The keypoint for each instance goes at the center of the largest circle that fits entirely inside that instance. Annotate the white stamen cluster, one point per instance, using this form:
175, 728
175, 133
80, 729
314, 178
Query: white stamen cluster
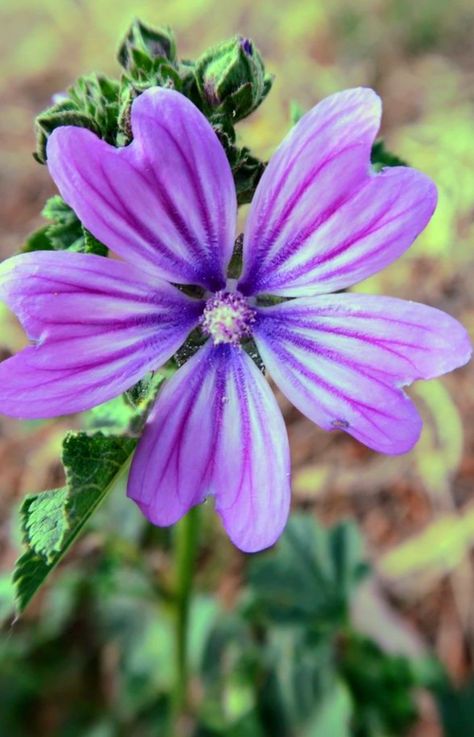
227, 318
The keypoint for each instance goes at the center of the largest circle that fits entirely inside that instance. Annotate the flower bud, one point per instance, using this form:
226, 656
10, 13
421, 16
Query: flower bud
143, 43
231, 78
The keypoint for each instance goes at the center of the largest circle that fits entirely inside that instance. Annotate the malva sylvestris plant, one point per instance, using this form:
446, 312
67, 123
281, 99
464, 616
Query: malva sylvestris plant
321, 220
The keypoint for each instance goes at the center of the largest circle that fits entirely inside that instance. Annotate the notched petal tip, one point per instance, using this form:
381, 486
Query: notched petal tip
343, 359
166, 201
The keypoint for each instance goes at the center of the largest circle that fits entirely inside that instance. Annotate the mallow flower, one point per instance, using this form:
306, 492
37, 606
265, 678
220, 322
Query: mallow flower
321, 220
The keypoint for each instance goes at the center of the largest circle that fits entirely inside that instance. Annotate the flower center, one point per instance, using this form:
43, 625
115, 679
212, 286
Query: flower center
227, 318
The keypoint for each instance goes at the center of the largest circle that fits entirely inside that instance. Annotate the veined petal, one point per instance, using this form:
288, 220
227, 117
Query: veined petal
321, 220
342, 360
166, 202
97, 325
216, 430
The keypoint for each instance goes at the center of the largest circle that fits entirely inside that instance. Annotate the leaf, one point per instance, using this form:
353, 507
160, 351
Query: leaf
310, 575
38, 241
382, 158
52, 520
127, 413
92, 245
457, 709
65, 233
333, 715
45, 521
55, 117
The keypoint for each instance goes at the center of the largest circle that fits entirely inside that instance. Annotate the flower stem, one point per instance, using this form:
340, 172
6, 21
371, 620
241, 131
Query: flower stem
186, 539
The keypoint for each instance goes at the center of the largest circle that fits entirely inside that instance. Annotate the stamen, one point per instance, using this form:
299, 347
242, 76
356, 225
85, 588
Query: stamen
227, 318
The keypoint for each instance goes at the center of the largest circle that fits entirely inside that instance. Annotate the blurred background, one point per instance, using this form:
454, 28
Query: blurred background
91, 657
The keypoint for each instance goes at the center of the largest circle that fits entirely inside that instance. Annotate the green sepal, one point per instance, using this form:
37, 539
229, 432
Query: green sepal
231, 78
98, 97
53, 118
247, 171
92, 245
143, 44
38, 241
66, 233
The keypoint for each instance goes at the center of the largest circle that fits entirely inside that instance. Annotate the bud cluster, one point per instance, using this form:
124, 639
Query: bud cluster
227, 82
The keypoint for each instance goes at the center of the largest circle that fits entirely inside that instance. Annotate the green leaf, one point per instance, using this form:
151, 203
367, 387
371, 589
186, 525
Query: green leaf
127, 413
65, 233
382, 686
457, 709
143, 44
92, 245
52, 520
333, 715
381, 157
38, 241
45, 521
309, 577
54, 118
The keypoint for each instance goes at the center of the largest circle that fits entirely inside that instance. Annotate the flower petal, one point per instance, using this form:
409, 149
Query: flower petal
321, 220
98, 326
216, 429
342, 360
166, 202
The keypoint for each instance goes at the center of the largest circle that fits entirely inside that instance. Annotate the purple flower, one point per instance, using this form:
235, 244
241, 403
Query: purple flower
320, 221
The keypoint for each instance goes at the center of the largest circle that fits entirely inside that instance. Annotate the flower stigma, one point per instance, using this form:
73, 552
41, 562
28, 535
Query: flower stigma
227, 318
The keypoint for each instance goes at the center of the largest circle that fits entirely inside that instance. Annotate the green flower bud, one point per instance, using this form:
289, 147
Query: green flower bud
231, 78
143, 44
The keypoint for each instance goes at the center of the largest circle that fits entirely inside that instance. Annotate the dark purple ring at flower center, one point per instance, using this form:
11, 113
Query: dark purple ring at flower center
227, 318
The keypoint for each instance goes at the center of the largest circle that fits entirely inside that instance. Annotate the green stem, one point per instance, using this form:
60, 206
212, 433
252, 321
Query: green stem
186, 540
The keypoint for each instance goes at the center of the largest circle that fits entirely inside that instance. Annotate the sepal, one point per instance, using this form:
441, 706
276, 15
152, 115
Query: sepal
143, 44
231, 78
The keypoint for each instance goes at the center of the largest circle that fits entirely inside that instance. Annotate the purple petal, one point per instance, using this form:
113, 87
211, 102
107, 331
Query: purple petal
97, 325
342, 360
166, 202
216, 429
321, 220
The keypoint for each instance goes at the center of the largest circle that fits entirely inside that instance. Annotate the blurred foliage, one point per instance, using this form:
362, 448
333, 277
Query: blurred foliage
286, 661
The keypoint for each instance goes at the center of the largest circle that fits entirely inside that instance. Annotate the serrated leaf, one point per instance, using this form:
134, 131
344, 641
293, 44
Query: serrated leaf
310, 575
92, 464
45, 521
53, 520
